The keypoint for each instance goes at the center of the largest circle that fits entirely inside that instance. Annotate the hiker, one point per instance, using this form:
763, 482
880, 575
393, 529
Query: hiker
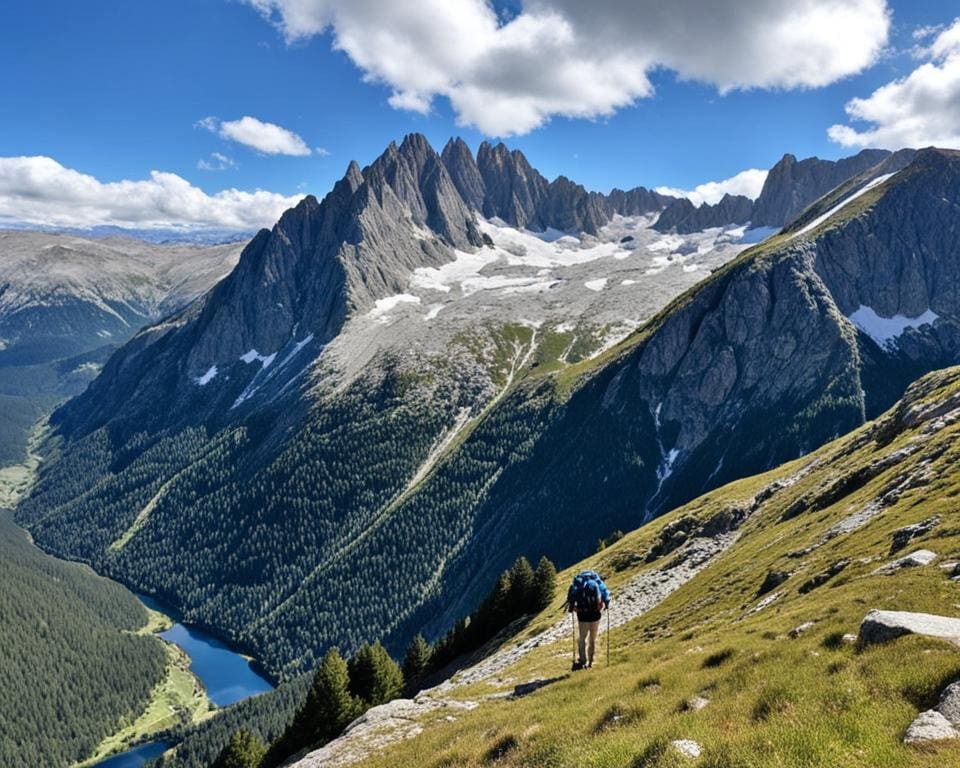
588, 597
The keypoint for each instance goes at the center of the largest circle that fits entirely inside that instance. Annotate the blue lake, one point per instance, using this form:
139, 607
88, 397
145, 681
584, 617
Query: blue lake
227, 676
136, 757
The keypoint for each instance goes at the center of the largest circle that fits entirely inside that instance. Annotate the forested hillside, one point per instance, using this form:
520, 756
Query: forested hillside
71, 663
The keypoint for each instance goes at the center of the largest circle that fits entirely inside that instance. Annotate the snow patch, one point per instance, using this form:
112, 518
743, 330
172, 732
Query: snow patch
843, 203
432, 311
886, 330
628, 282
383, 306
596, 285
253, 355
207, 377
262, 376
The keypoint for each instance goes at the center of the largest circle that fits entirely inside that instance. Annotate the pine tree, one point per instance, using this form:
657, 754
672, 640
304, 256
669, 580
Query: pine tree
416, 662
375, 678
521, 587
544, 585
328, 709
494, 612
243, 751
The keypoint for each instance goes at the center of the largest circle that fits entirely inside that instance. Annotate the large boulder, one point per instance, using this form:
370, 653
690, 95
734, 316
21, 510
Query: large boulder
882, 626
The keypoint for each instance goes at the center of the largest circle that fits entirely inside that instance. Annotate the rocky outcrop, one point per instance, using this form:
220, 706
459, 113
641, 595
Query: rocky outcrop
913, 560
882, 626
903, 536
940, 723
794, 184
683, 217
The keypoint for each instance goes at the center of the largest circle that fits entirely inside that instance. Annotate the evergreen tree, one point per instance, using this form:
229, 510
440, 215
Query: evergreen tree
416, 662
375, 678
493, 613
544, 585
328, 709
521, 587
243, 751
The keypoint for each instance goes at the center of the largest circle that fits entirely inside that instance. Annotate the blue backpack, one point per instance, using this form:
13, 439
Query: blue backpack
586, 591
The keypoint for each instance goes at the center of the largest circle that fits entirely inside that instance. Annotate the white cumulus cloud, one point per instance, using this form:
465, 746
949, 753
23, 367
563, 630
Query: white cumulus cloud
747, 183
39, 190
584, 59
269, 138
918, 110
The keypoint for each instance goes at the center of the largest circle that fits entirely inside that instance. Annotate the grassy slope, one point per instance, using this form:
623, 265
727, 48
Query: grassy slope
776, 701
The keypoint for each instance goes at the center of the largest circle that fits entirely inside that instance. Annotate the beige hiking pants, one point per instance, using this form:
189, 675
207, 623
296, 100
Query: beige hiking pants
587, 630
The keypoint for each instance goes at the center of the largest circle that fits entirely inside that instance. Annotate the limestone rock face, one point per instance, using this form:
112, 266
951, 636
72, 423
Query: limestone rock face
792, 185
464, 173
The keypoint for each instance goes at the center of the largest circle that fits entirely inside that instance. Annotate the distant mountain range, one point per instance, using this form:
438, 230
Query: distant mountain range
391, 397
66, 302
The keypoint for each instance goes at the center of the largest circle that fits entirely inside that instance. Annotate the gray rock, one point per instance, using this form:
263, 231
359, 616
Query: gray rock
949, 705
799, 630
792, 185
695, 703
903, 536
914, 560
636, 201
686, 747
684, 217
771, 581
930, 726
458, 160
881, 626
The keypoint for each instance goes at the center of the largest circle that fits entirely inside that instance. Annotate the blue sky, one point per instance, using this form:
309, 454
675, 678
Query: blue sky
115, 90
